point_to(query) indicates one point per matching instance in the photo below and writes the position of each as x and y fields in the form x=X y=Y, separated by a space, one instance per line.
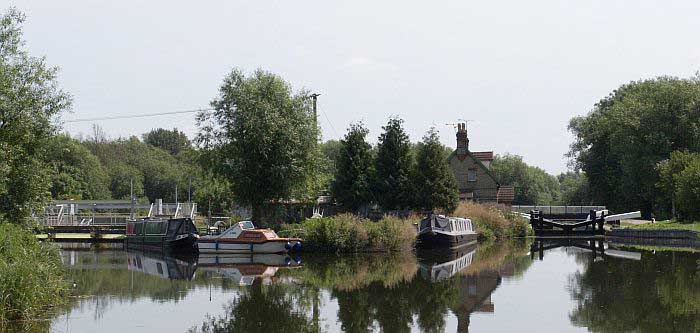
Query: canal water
x=508 y=287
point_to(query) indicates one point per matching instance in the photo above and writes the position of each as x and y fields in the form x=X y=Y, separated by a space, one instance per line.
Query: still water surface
x=497 y=288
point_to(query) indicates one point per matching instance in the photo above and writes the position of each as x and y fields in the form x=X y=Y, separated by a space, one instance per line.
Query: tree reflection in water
x=660 y=293
x=372 y=292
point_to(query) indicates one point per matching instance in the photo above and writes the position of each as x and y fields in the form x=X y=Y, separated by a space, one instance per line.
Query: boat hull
x=435 y=240
x=224 y=246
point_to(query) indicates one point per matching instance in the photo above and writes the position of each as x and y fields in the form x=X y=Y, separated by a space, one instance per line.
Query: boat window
x=247 y=225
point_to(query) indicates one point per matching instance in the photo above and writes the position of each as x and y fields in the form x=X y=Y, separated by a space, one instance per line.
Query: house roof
x=478 y=162
x=483 y=155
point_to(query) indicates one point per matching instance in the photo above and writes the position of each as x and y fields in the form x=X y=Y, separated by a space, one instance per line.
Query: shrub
x=31 y=275
x=492 y=222
x=350 y=233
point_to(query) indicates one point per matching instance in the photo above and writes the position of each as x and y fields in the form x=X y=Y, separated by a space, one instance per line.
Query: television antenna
x=459 y=121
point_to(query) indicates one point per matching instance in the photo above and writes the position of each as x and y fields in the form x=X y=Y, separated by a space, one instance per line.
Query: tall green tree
x=574 y=189
x=620 y=142
x=30 y=102
x=435 y=183
x=77 y=173
x=679 y=183
x=533 y=186
x=262 y=137
x=351 y=185
x=393 y=166
x=172 y=141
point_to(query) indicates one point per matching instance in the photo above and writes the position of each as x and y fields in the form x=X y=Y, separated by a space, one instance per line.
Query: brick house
x=474 y=179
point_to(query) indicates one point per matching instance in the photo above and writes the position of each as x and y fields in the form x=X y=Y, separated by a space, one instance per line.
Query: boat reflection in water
x=441 y=264
x=473 y=285
x=242 y=269
x=162 y=265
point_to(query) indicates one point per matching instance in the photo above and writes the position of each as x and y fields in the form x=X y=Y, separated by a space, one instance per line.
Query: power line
x=137 y=115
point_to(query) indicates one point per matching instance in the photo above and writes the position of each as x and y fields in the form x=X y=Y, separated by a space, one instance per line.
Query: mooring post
x=601 y=222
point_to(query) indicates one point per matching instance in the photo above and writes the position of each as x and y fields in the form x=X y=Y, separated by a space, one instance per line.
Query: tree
x=30 y=102
x=677 y=183
x=263 y=138
x=533 y=186
x=435 y=183
x=393 y=165
x=574 y=189
x=124 y=178
x=619 y=144
x=77 y=173
x=172 y=141
x=351 y=185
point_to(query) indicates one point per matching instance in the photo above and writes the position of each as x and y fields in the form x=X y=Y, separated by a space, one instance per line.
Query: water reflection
x=608 y=288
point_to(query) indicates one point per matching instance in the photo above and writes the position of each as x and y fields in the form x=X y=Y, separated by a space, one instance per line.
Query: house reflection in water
x=474 y=285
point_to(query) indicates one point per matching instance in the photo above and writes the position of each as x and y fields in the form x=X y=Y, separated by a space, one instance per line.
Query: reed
x=493 y=222
x=350 y=233
x=31 y=277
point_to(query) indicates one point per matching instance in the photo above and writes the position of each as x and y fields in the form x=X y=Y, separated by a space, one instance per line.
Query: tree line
x=638 y=146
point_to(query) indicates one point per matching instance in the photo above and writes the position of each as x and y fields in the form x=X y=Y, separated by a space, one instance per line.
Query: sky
x=517 y=70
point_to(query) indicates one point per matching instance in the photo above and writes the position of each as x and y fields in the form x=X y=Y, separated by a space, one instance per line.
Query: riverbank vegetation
x=493 y=222
x=350 y=233
x=31 y=277
x=667 y=225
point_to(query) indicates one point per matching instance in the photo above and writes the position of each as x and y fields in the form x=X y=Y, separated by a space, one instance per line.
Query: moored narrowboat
x=162 y=233
x=243 y=237
x=438 y=231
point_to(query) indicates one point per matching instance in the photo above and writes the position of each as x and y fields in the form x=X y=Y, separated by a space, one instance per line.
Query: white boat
x=243 y=237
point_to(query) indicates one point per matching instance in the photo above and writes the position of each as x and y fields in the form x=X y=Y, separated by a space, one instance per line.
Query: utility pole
x=314 y=98
x=133 y=201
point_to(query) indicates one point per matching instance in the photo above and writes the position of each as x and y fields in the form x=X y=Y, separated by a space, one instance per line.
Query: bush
x=492 y=222
x=350 y=233
x=31 y=275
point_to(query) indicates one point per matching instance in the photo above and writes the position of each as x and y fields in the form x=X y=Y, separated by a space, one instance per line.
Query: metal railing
x=556 y=210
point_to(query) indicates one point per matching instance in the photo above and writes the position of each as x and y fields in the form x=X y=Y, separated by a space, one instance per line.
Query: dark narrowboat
x=162 y=233
x=438 y=231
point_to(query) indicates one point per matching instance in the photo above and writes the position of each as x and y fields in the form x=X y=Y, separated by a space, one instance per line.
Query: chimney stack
x=462 y=140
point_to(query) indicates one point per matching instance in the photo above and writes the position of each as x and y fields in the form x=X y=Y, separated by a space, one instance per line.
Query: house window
x=471 y=175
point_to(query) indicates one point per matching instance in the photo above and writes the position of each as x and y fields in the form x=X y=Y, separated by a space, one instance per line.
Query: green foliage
x=172 y=141
x=393 y=166
x=31 y=100
x=435 y=183
x=679 y=183
x=31 y=275
x=77 y=173
x=350 y=233
x=351 y=186
x=620 y=142
x=122 y=178
x=493 y=223
x=261 y=138
x=532 y=184
x=574 y=189
x=688 y=192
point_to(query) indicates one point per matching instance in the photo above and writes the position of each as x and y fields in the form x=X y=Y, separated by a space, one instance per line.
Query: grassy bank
x=350 y=233
x=492 y=222
x=665 y=225
x=31 y=278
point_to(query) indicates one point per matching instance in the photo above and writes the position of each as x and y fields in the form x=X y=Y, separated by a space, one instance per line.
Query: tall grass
x=493 y=222
x=350 y=233
x=31 y=276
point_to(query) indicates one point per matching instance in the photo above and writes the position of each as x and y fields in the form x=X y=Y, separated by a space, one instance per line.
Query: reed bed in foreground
x=31 y=277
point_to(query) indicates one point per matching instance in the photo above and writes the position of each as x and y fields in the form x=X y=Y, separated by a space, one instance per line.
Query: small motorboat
x=438 y=231
x=243 y=237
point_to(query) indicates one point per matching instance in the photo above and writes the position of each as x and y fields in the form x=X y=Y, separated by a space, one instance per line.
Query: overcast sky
x=519 y=70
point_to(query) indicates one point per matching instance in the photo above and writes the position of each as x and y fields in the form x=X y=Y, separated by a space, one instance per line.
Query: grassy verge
x=661 y=225
x=31 y=278
x=350 y=233
x=492 y=223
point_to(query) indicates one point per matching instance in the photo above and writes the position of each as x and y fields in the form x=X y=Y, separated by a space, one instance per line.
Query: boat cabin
x=456 y=224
